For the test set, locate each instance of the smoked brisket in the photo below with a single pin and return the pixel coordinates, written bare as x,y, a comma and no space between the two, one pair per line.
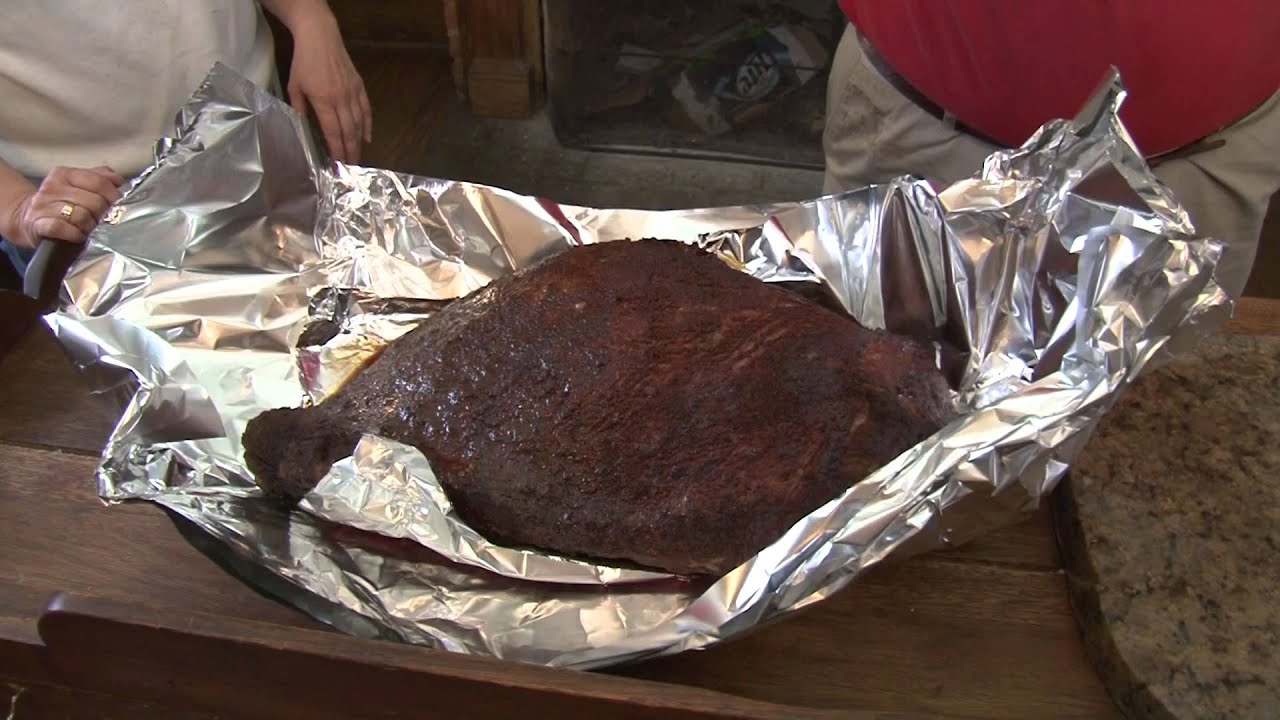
637,403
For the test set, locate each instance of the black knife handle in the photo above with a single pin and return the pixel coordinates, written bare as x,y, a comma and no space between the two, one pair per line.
45,271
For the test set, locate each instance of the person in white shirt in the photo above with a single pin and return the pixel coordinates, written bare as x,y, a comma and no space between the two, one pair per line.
87,87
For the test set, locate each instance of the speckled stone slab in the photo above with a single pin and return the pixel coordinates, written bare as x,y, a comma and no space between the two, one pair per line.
1170,531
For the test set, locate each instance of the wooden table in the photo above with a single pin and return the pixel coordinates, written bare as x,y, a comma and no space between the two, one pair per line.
110,611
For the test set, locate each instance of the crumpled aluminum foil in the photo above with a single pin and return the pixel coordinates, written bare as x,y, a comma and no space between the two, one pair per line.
239,273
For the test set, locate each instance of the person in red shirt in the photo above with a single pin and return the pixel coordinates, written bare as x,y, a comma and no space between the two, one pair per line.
931,87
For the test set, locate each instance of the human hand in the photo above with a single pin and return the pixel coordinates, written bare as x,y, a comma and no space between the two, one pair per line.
323,78
67,206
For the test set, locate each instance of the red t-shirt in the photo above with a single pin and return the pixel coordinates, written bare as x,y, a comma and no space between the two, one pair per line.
1191,67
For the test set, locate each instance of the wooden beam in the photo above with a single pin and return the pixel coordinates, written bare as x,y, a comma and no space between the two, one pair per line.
533,51
496,47
459,52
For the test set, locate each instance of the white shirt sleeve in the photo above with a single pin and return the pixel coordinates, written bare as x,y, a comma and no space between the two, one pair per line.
86,82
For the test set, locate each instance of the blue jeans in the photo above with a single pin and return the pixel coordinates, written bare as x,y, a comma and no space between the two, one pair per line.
18,256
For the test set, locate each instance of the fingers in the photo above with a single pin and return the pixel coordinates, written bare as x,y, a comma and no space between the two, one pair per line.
349,123
99,182
297,98
360,111
366,114
92,190
347,119
116,178
58,228
69,203
93,204
323,80
68,220
331,128
330,124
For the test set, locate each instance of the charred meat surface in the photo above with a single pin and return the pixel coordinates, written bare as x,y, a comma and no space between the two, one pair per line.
638,403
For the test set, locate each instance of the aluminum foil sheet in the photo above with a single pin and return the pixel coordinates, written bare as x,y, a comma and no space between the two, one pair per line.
241,272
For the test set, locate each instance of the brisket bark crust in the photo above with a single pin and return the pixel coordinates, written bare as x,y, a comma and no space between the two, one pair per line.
636,403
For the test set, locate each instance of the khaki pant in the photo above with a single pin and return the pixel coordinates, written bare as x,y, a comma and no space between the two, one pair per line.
875,133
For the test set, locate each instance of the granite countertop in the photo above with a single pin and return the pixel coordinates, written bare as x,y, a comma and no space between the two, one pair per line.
1170,530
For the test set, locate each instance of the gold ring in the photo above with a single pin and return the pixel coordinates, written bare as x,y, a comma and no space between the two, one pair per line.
67,209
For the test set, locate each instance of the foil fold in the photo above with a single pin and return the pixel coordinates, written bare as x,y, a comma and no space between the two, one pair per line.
238,274
389,488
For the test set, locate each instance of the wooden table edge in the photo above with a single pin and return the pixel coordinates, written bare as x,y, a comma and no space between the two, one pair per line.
117,628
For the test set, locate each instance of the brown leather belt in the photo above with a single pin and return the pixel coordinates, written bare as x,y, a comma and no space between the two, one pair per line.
915,96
